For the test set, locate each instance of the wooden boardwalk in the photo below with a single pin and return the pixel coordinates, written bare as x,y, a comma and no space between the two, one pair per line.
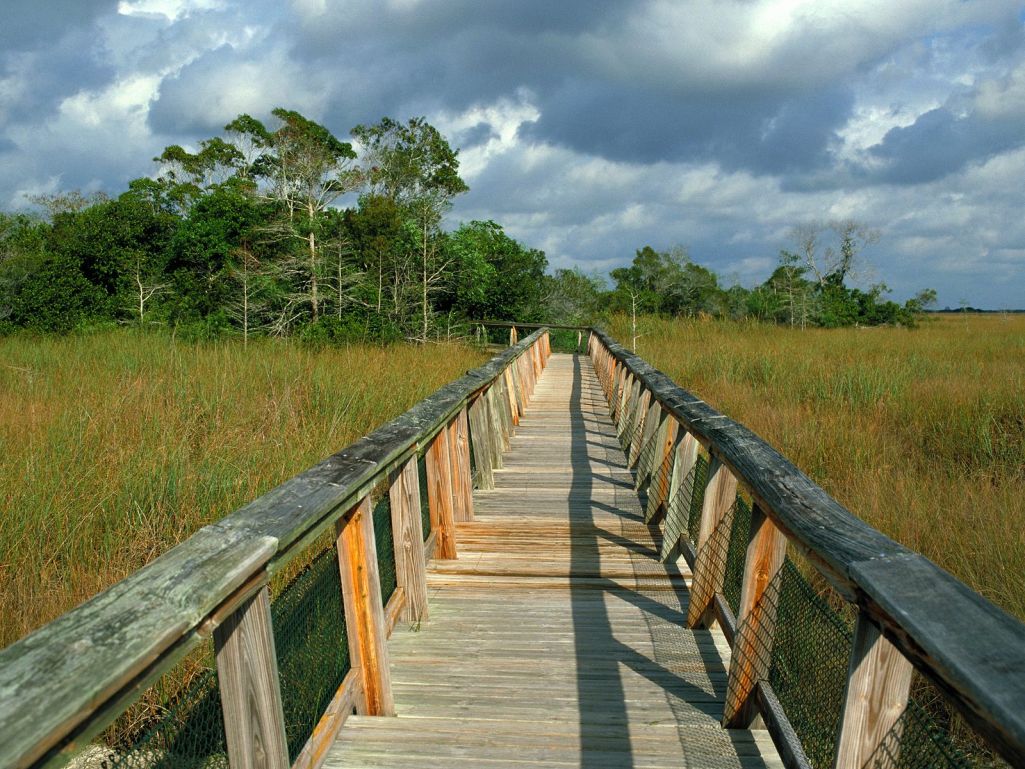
556,638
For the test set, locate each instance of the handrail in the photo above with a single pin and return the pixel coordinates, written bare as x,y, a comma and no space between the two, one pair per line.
970,648
63,683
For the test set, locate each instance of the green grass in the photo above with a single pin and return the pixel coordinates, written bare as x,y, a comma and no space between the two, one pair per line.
919,432
116,446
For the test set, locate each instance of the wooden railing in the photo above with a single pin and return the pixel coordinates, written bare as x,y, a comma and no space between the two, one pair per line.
62,685
910,614
514,329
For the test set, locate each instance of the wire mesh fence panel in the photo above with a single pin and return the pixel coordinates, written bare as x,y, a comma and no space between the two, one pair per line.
177,723
425,507
384,539
310,642
917,741
736,552
647,454
677,512
808,671
697,498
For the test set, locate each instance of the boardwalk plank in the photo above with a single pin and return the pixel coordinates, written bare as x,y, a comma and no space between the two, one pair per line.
557,639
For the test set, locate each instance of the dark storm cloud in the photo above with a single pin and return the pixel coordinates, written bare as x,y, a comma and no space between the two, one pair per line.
49,75
596,94
762,132
939,143
26,25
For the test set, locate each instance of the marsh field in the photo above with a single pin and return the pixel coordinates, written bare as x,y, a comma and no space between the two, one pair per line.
114,446
920,432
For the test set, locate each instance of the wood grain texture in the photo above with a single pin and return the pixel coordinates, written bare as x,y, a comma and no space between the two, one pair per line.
479,426
652,424
756,620
510,391
247,676
459,457
495,430
342,706
658,491
878,684
439,495
920,607
676,518
364,610
408,537
709,572
557,639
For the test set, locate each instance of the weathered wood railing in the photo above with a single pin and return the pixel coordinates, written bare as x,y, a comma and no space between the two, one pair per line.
910,614
577,335
62,685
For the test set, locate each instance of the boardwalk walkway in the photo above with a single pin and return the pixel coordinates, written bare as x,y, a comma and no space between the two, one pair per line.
556,639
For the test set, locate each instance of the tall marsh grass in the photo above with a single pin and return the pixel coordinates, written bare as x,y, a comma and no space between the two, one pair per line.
919,432
116,446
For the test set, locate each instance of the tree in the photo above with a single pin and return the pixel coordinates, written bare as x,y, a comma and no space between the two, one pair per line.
572,297
308,170
832,265
413,165
493,276
375,231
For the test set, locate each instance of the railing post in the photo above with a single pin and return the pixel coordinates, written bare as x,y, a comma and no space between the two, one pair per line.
756,620
637,425
408,539
627,403
247,672
481,445
502,408
513,337
684,459
494,428
878,685
652,424
661,471
364,610
518,391
439,496
709,572
459,459
510,392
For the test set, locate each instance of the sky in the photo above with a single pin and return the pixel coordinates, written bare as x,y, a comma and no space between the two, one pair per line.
588,128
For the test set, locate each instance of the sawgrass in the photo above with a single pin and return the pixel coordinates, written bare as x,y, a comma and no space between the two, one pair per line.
919,432
118,445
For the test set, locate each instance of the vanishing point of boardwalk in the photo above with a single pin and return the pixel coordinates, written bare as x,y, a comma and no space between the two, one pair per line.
557,638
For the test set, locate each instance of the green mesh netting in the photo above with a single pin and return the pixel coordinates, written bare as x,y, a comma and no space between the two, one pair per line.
916,741
177,724
311,645
385,542
676,512
425,507
736,553
647,454
660,480
697,498
808,670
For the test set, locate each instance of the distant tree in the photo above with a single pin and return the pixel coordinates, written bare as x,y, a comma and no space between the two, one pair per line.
412,164
493,276
572,297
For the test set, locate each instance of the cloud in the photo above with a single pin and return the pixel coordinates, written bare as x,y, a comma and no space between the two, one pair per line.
223,83
588,127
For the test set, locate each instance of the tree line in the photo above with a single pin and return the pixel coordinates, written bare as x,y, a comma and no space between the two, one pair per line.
247,236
